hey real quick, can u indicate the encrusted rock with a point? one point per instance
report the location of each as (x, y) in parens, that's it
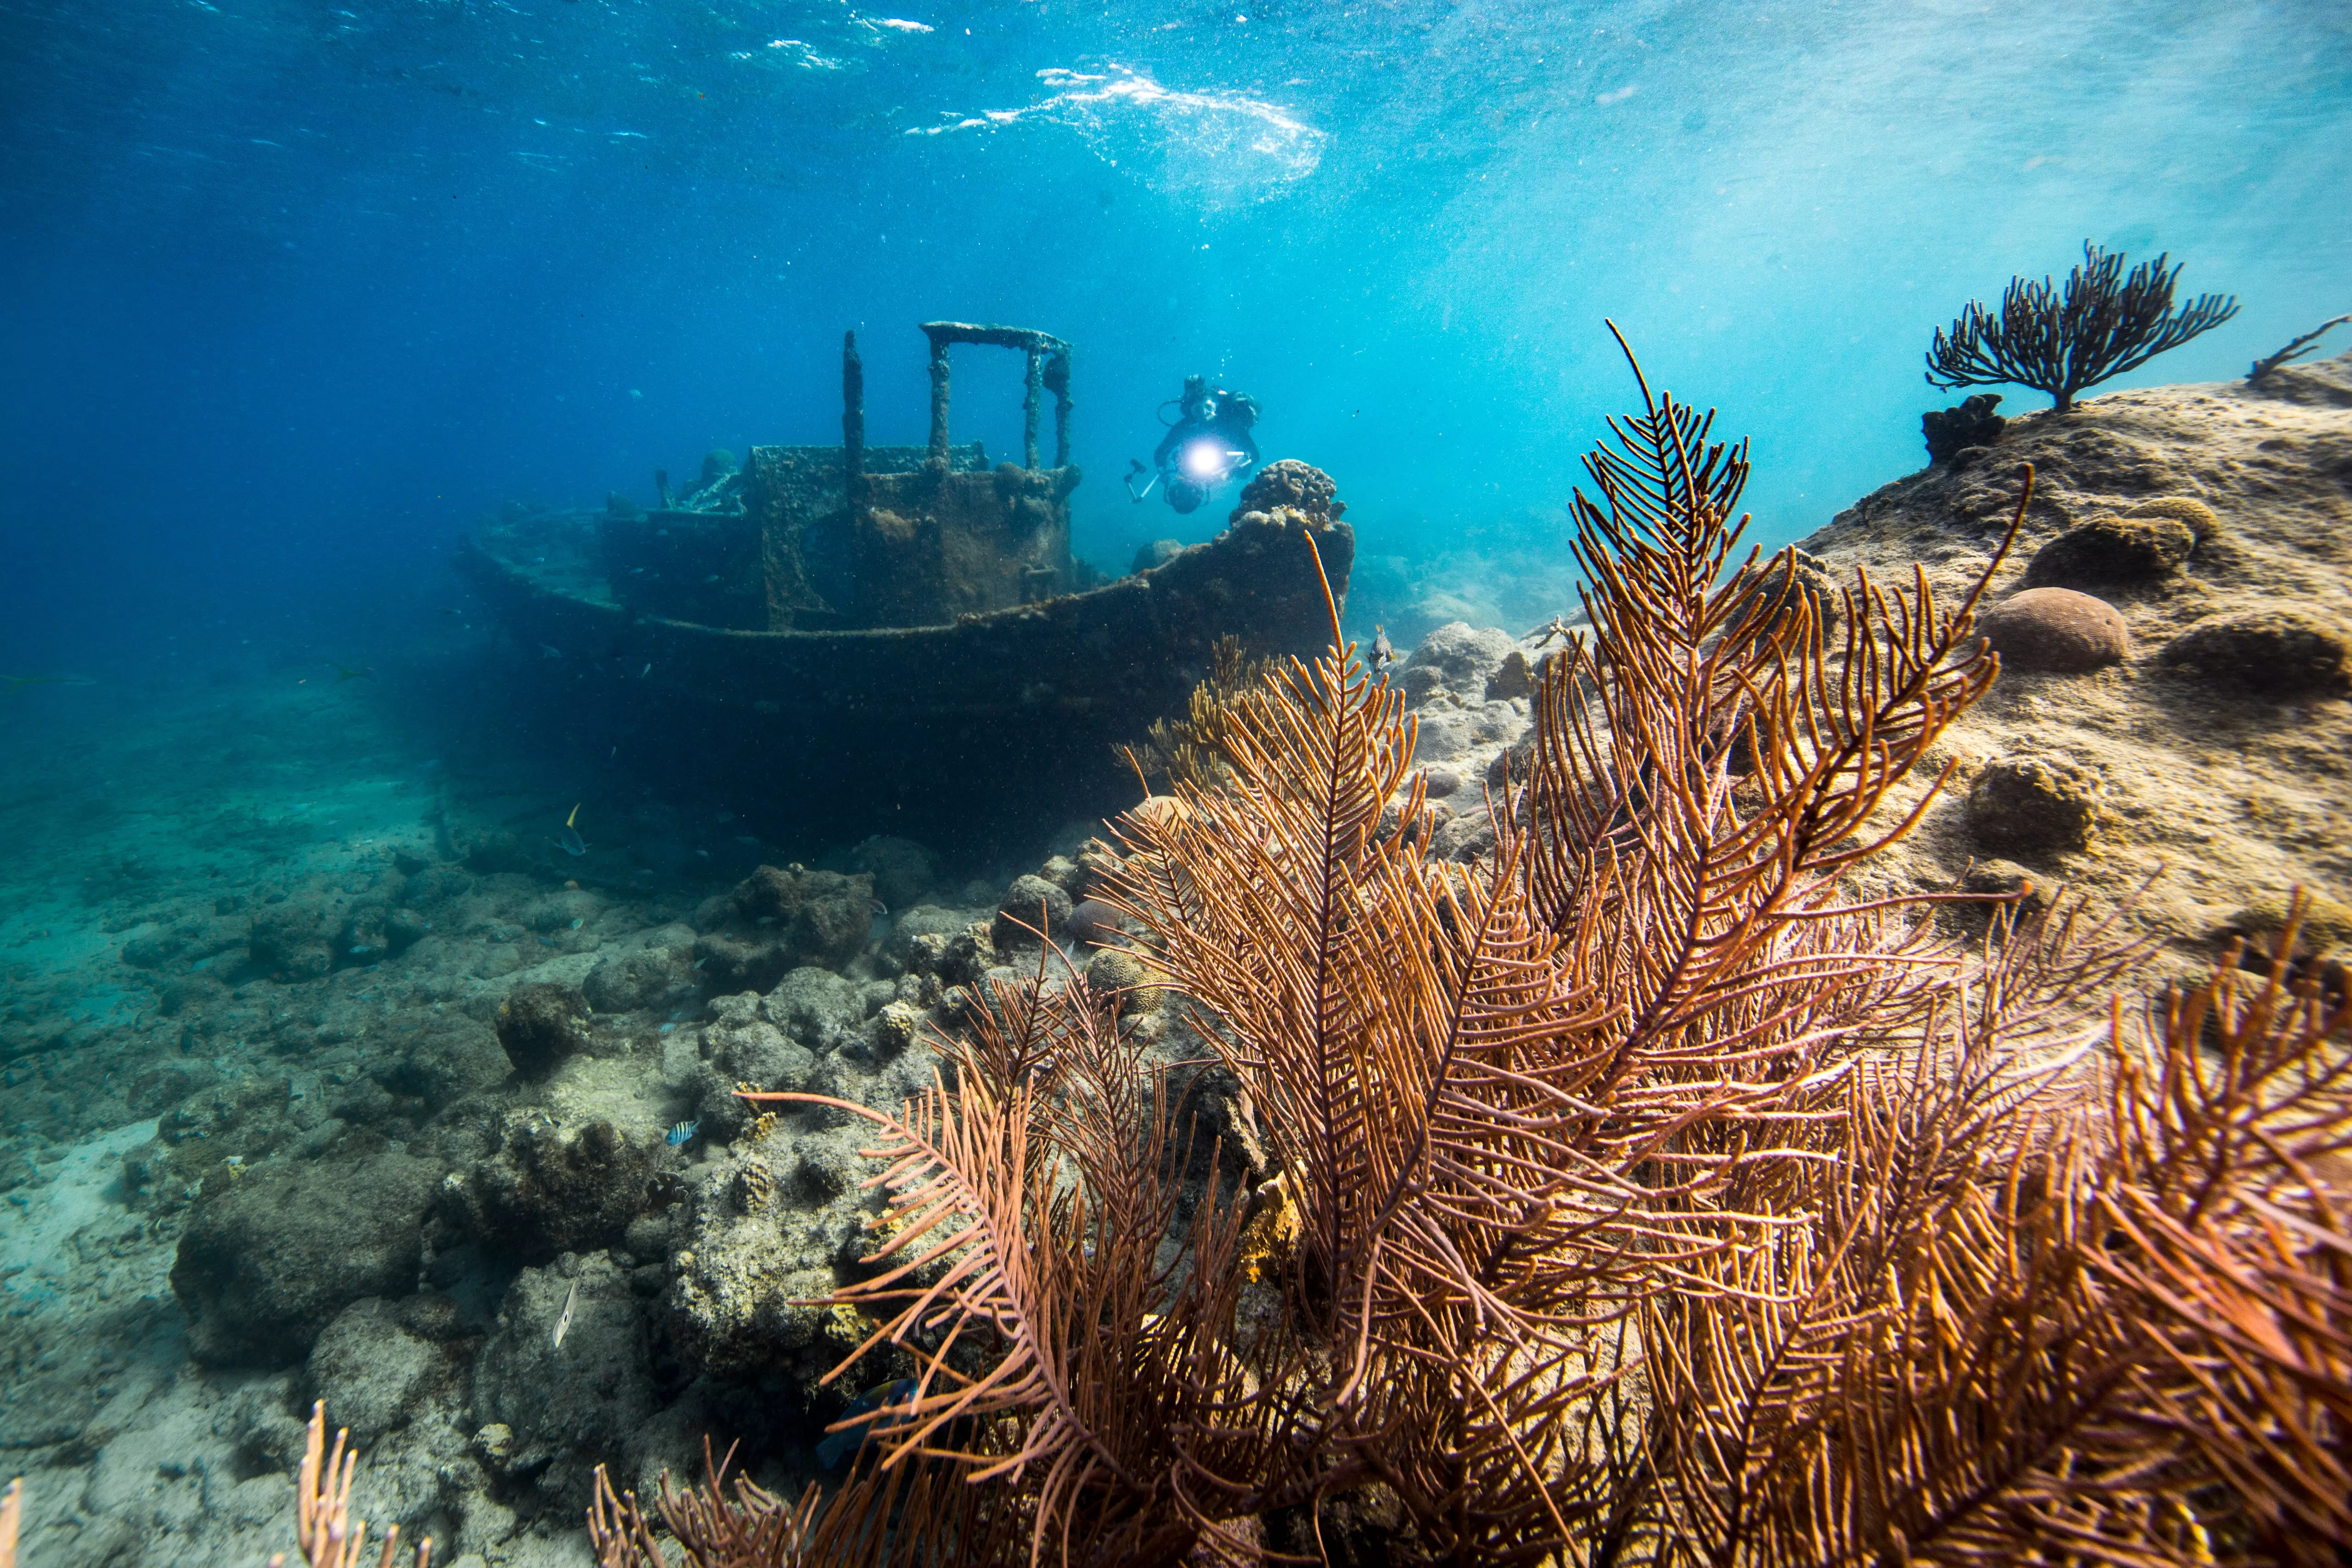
(1785, 580)
(777, 920)
(1457, 658)
(2325, 931)
(1972, 424)
(2112, 551)
(896, 1027)
(2057, 631)
(644, 976)
(550, 1188)
(2201, 519)
(817, 1007)
(2033, 805)
(564, 1407)
(540, 1024)
(374, 1373)
(269, 1257)
(2268, 653)
(1441, 782)
(289, 940)
(1023, 903)
(1091, 920)
(1466, 837)
(2026, 895)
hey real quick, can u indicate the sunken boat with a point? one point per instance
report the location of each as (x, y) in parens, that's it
(894, 635)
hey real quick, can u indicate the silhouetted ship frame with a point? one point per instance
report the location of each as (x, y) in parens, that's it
(900, 621)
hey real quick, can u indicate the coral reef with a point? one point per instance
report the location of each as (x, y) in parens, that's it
(2108, 323)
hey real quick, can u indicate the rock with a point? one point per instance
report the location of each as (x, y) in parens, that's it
(2201, 519)
(1439, 783)
(896, 1027)
(549, 1188)
(902, 869)
(1514, 677)
(777, 920)
(745, 1047)
(1972, 424)
(1287, 482)
(2267, 653)
(540, 1024)
(2033, 805)
(1457, 658)
(564, 1408)
(270, 1259)
(2112, 551)
(2055, 630)
(733, 1308)
(373, 1371)
(1118, 974)
(943, 943)
(2326, 929)
(1787, 578)
(638, 979)
(1464, 837)
(1021, 904)
(817, 1007)
(289, 940)
(1159, 552)
(1090, 921)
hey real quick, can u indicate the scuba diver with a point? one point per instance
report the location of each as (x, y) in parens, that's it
(1209, 443)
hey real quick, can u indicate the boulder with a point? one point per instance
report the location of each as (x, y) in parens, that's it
(373, 1371)
(540, 1024)
(550, 1188)
(2266, 653)
(271, 1257)
(1457, 658)
(289, 940)
(2033, 805)
(1030, 899)
(775, 921)
(2055, 631)
(2113, 552)
(637, 979)
(815, 1007)
(551, 1411)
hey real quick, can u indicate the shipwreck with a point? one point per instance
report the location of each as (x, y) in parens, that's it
(892, 631)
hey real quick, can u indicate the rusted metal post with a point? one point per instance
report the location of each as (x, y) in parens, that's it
(1057, 378)
(939, 398)
(853, 420)
(661, 487)
(1032, 397)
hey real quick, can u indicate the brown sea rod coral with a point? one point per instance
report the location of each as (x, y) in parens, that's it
(1654, 1190)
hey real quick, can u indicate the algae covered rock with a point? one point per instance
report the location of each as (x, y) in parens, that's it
(815, 1007)
(1030, 905)
(2056, 631)
(550, 1187)
(565, 1408)
(373, 1371)
(643, 976)
(289, 940)
(777, 920)
(2267, 653)
(2033, 805)
(540, 1024)
(2324, 932)
(2113, 552)
(270, 1257)
(1457, 658)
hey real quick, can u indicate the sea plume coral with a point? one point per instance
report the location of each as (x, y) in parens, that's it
(2106, 322)
(1652, 1190)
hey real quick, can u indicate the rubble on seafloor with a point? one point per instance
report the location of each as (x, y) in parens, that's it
(366, 1121)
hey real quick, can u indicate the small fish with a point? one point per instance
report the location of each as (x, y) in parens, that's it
(15, 681)
(548, 650)
(345, 672)
(572, 843)
(1384, 654)
(564, 1319)
(643, 673)
(679, 1136)
(869, 1405)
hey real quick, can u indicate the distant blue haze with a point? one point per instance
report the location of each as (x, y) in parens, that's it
(290, 291)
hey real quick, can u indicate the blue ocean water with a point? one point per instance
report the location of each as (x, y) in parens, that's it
(293, 291)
